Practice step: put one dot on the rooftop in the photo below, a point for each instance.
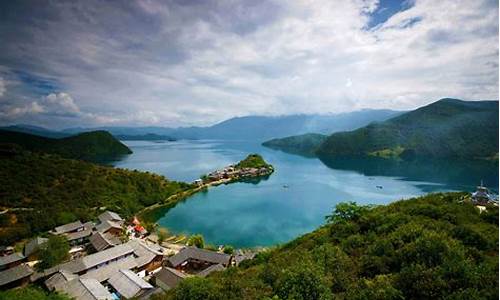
(199, 254)
(13, 274)
(68, 227)
(33, 245)
(128, 284)
(170, 277)
(109, 216)
(14, 257)
(86, 289)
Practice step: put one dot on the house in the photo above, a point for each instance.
(33, 246)
(169, 278)
(103, 241)
(6, 250)
(198, 182)
(10, 261)
(212, 268)
(198, 258)
(81, 236)
(86, 289)
(68, 228)
(128, 285)
(149, 257)
(111, 227)
(110, 216)
(56, 281)
(16, 276)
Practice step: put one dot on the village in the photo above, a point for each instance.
(233, 173)
(112, 258)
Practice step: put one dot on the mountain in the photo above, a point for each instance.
(86, 146)
(259, 128)
(40, 191)
(447, 128)
(437, 246)
(301, 144)
(144, 137)
(36, 130)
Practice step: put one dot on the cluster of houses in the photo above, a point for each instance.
(482, 198)
(109, 267)
(231, 172)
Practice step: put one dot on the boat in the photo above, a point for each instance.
(379, 187)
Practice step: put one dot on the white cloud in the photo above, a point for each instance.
(201, 63)
(3, 87)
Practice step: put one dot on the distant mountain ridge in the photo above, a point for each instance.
(446, 128)
(258, 128)
(86, 146)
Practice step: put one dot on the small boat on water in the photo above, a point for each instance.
(285, 186)
(482, 196)
(379, 187)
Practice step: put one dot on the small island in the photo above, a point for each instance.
(251, 167)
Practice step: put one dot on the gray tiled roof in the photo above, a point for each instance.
(78, 234)
(199, 254)
(86, 289)
(212, 268)
(13, 274)
(5, 260)
(102, 241)
(106, 225)
(170, 277)
(109, 216)
(33, 245)
(105, 272)
(56, 281)
(68, 227)
(145, 253)
(128, 284)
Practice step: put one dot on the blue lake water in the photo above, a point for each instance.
(296, 197)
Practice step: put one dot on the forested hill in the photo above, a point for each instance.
(87, 146)
(447, 128)
(40, 191)
(434, 247)
(302, 144)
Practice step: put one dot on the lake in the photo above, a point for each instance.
(295, 199)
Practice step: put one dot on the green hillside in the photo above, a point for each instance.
(87, 146)
(252, 161)
(40, 191)
(446, 128)
(433, 247)
(301, 144)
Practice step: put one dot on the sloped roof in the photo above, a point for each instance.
(13, 274)
(106, 225)
(101, 241)
(105, 272)
(128, 284)
(33, 245)
(68, 227)
(109, 216)
(56, 281)
(145, 253)
(199, 254)
(170, 277)
(78, 234)
(86, 289)
(212, 268)
(5, 260)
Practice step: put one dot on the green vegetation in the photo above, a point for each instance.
(162, 235)
(228, 249)
(54, 252)
(433, 247)
(93, 145)
(252, 161)
(447, 128)
(196, 240)
(305, 144)
(42, 191)
(30, 293)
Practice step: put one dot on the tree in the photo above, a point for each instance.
(346, 211)
(162, 235)
(31, 293)
(302, 283)
(196, 288)
(55, 251)
(228, 249)
(196, 240)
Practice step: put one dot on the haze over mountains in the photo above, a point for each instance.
(445, 128)
(257, 128)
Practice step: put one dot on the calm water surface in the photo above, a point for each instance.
(296, 197)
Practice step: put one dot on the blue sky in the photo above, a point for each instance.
(180, 63)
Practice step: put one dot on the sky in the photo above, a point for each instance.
(185, 62)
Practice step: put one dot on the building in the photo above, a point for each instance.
(110, 227)
(128, 285)
(68, 228)
(81, 236)
(149, 257)
(482, 196)
(86, 289)
(110, 216)
(103, 241)
(169, 278)
(198, 259)
(10, 261)
(33, 246)
(16, 276)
